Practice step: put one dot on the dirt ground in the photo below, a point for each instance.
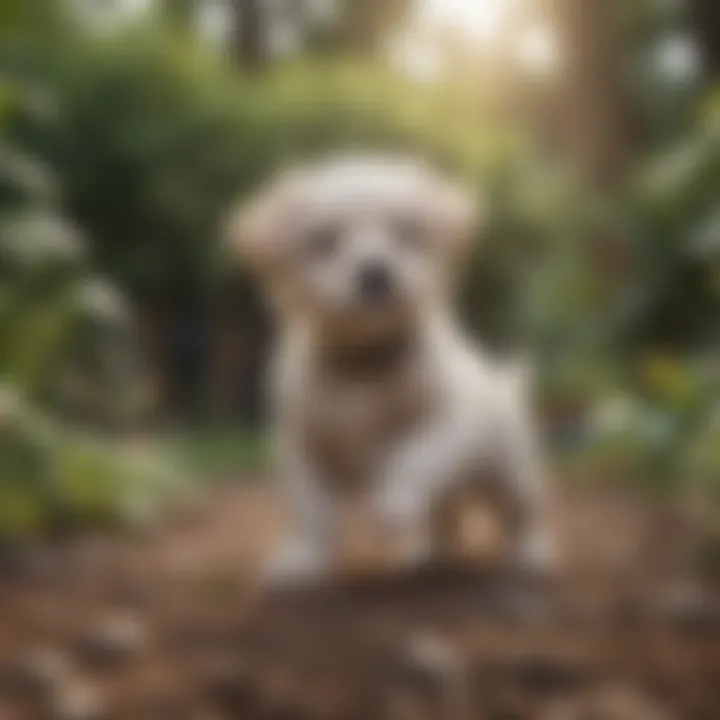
(169, 624)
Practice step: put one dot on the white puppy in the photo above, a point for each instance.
(375, 388)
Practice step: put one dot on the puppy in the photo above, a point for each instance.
(376, 390)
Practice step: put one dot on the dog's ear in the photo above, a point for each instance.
(256, 231)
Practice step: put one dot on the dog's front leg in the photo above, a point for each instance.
(305, 555)
(419, 470)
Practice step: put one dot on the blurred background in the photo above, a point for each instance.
(132, 350)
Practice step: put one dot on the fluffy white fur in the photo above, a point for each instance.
(383, 397)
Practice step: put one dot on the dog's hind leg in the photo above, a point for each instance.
(526, 497)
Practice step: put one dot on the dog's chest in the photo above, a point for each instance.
(352, 427)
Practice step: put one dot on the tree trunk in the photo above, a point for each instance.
(248, 43)
(595, 113)
(705, 17)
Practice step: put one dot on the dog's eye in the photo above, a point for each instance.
(411, 232)
(322, 242)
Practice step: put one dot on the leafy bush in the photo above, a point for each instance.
(53, 478)
(59, 322)
(150, 140)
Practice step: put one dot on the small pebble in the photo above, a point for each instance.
(626, 704)
(40, 671)
(434, 655)
(78, 700)
(228, 683)
(116, 638)
(434, 669)
(687, 607)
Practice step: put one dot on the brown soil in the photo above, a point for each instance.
(620, 635)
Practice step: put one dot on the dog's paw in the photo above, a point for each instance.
(296, 564)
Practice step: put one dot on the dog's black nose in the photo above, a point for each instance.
(375, 282)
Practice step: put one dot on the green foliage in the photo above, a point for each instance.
(674, 213)
(651, 322)
(48, 302)
(57, 318)
(657, 429)
(54, 479)
(145, 140)
(147, 151)
(152, 140)
(31, 18)
(221, 452)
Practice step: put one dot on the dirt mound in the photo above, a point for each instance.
(169, 626)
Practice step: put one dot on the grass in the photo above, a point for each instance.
(221, 452)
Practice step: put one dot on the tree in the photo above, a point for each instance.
(180, 14)
(249, 41)
(361, 26)
(596, 109)
(705, 17)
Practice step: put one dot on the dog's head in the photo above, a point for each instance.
(361, 243)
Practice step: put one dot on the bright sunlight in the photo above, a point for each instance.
(480, 19)
(480, 25)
